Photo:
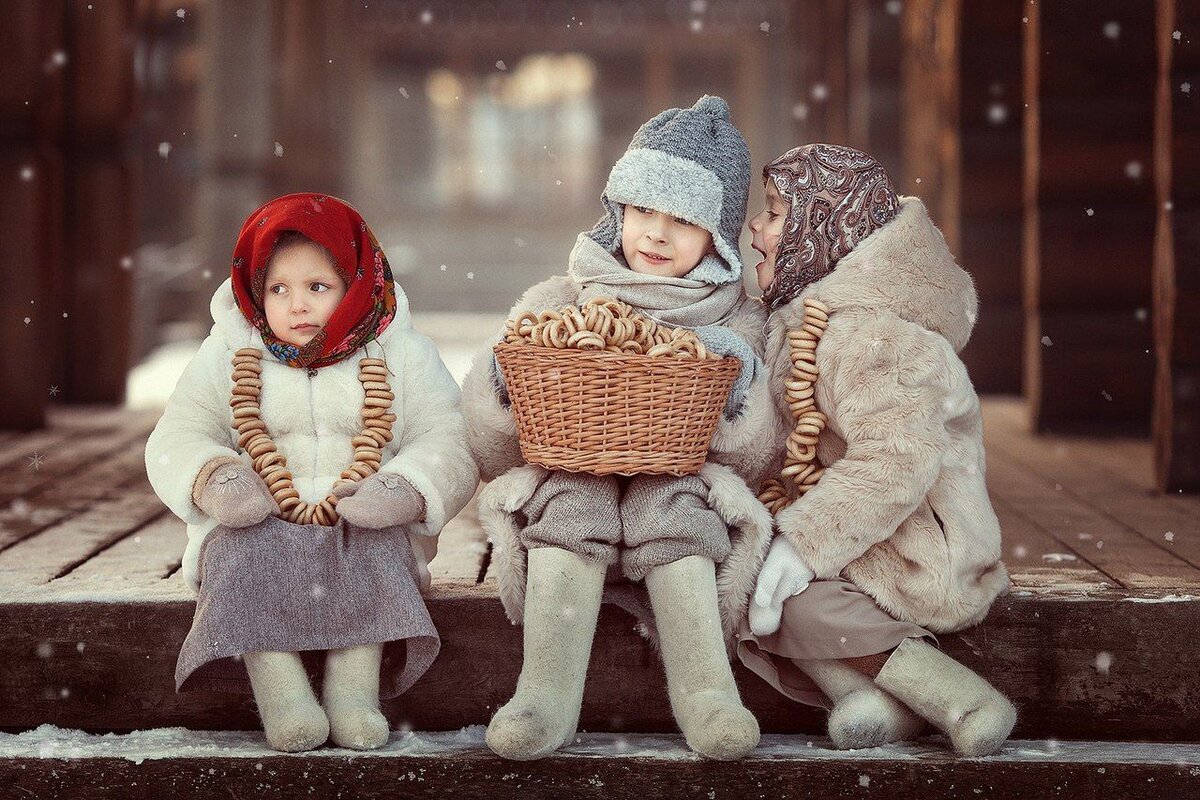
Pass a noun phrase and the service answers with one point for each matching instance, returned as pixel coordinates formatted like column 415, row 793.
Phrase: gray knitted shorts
column 644, row 521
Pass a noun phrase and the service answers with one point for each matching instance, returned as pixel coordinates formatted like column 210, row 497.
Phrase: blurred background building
column 475, row 137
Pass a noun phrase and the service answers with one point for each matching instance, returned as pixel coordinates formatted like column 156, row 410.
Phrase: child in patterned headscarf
column 895, row 539
column 310, row 526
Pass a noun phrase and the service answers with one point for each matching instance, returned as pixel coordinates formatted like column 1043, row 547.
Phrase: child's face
column 303, row 290
column 659, row 244
column 767, row 227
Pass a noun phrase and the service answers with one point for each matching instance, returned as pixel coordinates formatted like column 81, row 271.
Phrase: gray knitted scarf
column 679, row 302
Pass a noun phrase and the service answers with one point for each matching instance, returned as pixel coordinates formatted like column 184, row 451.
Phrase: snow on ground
column 48, row 741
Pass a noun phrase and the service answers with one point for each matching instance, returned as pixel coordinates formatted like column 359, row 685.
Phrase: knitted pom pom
column 711, row 104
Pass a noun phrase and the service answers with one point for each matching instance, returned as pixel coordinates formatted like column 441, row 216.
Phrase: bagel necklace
column 271, row 465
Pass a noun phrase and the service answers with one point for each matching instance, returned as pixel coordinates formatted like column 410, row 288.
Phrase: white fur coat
column 312, row 419
column 902, row 509
column 737, row 456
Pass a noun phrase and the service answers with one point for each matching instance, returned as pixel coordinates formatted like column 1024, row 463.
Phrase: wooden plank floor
column 93, row 608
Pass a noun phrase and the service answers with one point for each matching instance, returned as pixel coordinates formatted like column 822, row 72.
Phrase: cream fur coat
column 737, row 456
column 902, row 509
column 312, row 420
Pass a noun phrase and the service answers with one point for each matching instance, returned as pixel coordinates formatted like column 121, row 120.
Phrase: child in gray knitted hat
column 667, row 245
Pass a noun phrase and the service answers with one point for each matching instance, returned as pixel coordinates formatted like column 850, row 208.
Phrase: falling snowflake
column 164, row 150
column 864, row 781
column 894, row 7
column 1185, row 87
column 1104, row 660
column 58, row 59
column 27, row 173
column 500, row 65
column 820, row 92
column 278, row 150
column 1091, row 212
column 1112, row 30
column 181, row 12
column 1020, row 551
column 519, row 242
column 126, row 262
column 470, row 276
column 997, row 113
column 318, row 591
column 64, row 693
column 79, row 646
column 1141, row 314
column 28, row 320
column 1104, row 393
column 1133, row 170
column 54, row 391
column 1047, row 341
column 1169, row 536
column 404, row 92
column 765, row 27
column 1058, row 558
column 800, row 111
column 1176, row 35
column 697, row 25
column 45, row 650
column 442, row 267
column 36, row 460
column 918, row 180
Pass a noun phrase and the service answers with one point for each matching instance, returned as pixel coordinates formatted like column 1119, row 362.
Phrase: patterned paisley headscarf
column 369, row 304
column 837, row 196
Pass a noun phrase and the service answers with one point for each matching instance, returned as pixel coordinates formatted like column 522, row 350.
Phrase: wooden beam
column 1089, row 82
column 31, row 116
column 1177, row 249
column 931, row 110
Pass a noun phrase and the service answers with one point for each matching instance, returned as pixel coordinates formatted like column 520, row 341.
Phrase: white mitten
column 784, row 574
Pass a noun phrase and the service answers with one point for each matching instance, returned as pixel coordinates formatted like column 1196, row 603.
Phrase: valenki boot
column 562, row 604
column 863, row 715
column 961, row 704
column 700, row 681
column 292, row 718
column 350, row 697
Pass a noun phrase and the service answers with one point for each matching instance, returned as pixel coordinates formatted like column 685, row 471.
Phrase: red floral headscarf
column 837, row 196
column 369, row 304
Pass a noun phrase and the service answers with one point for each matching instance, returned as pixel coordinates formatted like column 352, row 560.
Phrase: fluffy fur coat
column 312, row 419
column 902, row 509
column 737, row 457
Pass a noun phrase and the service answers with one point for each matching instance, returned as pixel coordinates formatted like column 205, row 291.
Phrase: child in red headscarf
column 315, row 448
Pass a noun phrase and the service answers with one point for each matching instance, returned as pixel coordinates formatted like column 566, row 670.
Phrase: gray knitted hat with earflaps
column 691, row 163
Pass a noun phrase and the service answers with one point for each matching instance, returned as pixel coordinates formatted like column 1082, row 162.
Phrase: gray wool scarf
column 678, row 302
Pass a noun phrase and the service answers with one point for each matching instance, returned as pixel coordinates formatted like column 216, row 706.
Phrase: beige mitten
column 232, row 493
column 383, row 500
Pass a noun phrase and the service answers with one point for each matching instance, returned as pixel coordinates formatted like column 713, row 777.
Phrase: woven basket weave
column 612, row 413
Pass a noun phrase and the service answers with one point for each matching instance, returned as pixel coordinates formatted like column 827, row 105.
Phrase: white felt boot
column 292, row 718
column 562, row 604
column 863, row 715
column 351, row 697
column 961, row 704
column 700, row 681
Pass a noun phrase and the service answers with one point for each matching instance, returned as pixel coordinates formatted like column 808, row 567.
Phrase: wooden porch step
column 48, row 762
column 1093, row 642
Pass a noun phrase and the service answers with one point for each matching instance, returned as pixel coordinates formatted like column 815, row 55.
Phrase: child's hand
column 235, row 496
column 784, row 574
column 383, row 500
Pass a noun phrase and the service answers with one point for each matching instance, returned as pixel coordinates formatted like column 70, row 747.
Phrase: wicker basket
column 612, row 413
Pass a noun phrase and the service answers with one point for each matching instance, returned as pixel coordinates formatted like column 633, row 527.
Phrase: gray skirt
column 831, row 619
column 282, row 587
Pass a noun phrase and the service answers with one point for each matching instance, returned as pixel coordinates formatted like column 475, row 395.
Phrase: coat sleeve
column 194, row 429
column 890, row 396
column 433, row 455
column 743, row 441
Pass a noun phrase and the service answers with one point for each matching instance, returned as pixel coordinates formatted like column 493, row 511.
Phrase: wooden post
column 31, row 115
column 1177, row 248
column 1089, row 71
column 931, row 118
column 990, row 113
column 100, row 219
